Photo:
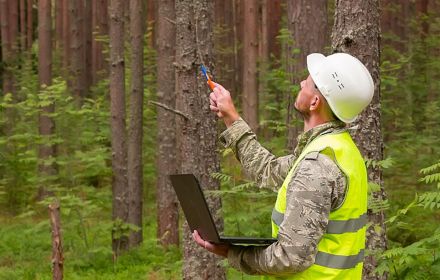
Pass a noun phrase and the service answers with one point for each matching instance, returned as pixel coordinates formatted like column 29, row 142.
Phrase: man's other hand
column 221, row 103
column 221, row 250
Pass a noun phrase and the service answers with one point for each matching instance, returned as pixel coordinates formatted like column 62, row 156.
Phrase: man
column 319, row 217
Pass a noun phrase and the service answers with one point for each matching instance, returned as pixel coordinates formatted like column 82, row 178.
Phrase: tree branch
column 185, row 116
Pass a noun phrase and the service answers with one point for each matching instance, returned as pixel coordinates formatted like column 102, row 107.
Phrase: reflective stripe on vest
column 341, row 249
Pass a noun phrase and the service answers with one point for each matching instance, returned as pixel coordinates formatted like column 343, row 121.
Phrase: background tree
column 307, row 23
column 358, row 34
column 166, row 201
column 135, row 131
column 250, row 56
column 118, row 127
column 196, row 131
column 77, row 48
column 47, row 151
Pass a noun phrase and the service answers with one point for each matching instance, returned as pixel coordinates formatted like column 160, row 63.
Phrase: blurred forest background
column 102, row 99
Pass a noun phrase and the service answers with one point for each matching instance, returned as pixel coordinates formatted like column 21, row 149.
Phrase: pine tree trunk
column 197, row 134
column 77, row 45
column 356, row 31
column 59, row 24
column 6, row 46
column 100, row 26
column 29, row 21
column 118, row 127
column 250, row 56
column 88, row 37
column 22, row 25
column 135, row 171
column 66, row 38
column 167, row 211
column 307, row 22
column 46, row 123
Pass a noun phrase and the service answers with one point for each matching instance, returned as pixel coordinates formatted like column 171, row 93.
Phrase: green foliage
column 418, row 259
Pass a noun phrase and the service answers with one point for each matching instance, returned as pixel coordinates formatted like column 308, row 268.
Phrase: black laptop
column 199, row 217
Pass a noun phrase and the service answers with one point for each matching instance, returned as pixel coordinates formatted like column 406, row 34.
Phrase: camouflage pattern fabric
column 317, row 187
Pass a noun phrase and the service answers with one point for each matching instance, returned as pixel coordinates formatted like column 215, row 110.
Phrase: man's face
column 305, row 96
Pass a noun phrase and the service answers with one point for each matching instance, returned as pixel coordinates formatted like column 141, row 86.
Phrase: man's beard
column 305, row 114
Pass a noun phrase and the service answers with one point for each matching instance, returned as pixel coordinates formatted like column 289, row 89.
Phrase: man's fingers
column 214, row 108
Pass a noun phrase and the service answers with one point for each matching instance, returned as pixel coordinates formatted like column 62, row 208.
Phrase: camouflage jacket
column 317, row 187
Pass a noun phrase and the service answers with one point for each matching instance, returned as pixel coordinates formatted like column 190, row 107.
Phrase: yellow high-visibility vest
column 341, row 249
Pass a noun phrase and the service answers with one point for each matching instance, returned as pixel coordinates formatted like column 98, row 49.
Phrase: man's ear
column 316, row 101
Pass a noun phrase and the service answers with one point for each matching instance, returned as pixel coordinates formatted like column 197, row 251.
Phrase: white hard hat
column 344, row 81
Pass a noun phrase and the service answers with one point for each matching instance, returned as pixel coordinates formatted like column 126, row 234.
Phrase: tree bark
column 6, row 46
column 29, row 21
column 100, row 25
column 118, row 127
column 22, row 25
column 135, row 171
column 88, row 37
column 307, row 22
column 196, row 135
column 57, row 246
column 356, row 31
column 167, row 211
column 77, row 52
column 66, row 38
column 250, row 56
column 46, row 123
column 59, row 24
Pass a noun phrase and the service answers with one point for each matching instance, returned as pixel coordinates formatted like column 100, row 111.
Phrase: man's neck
column 314, row 121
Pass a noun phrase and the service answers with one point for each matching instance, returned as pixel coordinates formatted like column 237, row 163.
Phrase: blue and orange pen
column 210, row 82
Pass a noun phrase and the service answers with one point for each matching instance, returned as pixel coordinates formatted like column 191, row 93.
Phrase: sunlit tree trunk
column 307, row 23
column 135, row 171
column 167, row 211
column 197, row 132
column 118, row 127
column 356, row 31
column 250, row 57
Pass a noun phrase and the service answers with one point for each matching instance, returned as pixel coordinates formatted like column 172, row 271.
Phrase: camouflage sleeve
column 317, row 187
column 258, row 163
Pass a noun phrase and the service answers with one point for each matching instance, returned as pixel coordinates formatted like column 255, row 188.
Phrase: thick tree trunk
column 357, row 32
column 135, row 171
column 46, row 123
column 250, row 57
column 197, row 134
column 167, row 211
column 307, row 22
column 118, row 129
column 77, row 45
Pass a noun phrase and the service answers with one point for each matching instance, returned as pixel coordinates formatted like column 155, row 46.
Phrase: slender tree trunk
column 197, row 134
column 57, row 245
column 88, row 37
column 151, row 18
column 250, row 56
column 29, row 21
column 274, row 21
column 118, row 127
column 357, row 31
column 167, row 211
column 13, row 26
column 59, row 24
column 135, row 171
column 66, row 38
column 6, row 46
column 100, row 26
column 22, row 25
column 46, row 123
column 307, row 22
column 77, row 45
